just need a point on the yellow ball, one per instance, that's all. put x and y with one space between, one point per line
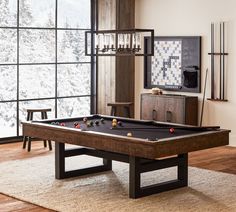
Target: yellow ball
114 121
129 134
114 124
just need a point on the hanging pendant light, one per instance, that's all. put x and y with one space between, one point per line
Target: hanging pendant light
128 42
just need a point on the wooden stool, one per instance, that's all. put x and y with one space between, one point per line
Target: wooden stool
124 105
30 114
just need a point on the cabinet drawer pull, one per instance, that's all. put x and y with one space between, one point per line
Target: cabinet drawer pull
154 114
168 116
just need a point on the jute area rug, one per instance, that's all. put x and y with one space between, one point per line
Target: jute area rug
33 180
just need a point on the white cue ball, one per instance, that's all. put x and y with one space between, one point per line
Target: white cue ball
129 134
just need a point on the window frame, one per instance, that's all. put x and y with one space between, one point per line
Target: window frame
56 63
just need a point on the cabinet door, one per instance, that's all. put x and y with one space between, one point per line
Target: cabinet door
160 108
148 104
153 107
174 110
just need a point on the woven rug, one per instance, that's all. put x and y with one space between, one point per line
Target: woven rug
32 180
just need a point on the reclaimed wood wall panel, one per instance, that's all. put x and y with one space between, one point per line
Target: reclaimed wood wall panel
115 74
125 12
106 65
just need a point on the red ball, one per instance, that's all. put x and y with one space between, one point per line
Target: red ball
62 124
77 126
172 130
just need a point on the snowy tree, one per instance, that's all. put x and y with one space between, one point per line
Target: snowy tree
50 22
26 17
79 47
8 45
7 13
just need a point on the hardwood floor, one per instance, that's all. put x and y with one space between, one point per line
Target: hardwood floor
219 159
14 151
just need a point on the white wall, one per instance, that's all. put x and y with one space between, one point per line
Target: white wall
193 18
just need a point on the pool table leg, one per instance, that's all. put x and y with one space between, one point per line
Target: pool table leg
134 177
107 163
61 153
183 169
137 167
59 160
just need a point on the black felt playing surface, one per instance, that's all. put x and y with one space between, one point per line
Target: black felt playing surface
106 127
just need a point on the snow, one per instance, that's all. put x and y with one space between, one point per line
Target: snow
34 77
8 11
71 46
73 107
7 119
41 11
75 78
37 46
8 83
74 14
8 46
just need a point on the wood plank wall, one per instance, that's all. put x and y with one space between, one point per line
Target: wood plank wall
106 65
125 12
115 74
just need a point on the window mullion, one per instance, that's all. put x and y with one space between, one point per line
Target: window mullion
18 68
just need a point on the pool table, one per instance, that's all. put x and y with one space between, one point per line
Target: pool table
145 145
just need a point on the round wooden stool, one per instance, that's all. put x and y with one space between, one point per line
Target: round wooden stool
124 105
30 114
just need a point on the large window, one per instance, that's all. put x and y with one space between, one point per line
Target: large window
42 60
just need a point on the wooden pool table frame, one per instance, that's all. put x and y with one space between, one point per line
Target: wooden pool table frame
141 154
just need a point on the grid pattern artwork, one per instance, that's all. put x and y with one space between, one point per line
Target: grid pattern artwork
166 63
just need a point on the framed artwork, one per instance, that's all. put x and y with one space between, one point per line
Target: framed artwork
176 64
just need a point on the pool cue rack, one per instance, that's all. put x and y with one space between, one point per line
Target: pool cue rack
218 56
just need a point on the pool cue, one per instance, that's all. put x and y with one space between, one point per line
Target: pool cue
163 128
220 88
223 80
203 100
212 61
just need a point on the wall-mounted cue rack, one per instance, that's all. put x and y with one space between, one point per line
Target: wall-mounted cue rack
218 75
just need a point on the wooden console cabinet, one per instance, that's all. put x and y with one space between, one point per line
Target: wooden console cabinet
170 108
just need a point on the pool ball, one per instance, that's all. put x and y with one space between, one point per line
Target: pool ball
88 124
119 123
129 134
102 120
91 123
172 130
57 123
97 122
114 124
62 124
114 120
53 123
85 119
76 123
77 126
